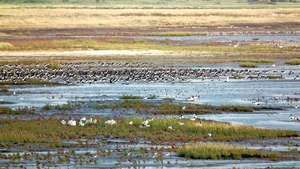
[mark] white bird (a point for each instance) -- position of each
(170, 128)
(258, 103)
(227, 79)
(72, 123)
(63, 122)
(81, 123)
(146, 123)
(193, 98)
(292, 117)
(110, 122)
(94, 121)
(89, 121)
(209, 134)
(131, 123)
(195, 117)
(83, 119)
(181, 124)
(181, 117)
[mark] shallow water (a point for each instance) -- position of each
(171, 164)
(272, 93)
(227, 38)
(269, 93)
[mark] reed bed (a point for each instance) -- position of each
(52, 132)
(222, 151)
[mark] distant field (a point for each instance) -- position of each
(160, 3)
(31, 26)
(20, 18)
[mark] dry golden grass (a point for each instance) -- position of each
(62, 51)
(85, 17)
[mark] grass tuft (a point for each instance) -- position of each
(53, 132)
(222, 151)
(27, 82)
(19, 111)
(248, 65)
(130, 97)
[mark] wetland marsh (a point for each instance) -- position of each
(140, 84)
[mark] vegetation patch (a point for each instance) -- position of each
(62, 107)
(6, 102)
(4, 89)
(222, 151)
(248, 65)
(293, 62)
(5, 46)
(166, 107)
(27, 82)
(53, 132)
(19, 111)
(130, 97)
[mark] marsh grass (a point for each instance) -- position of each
(293, 62)
(168, 52)
(222, 151)
(27, 82)
(258, 61)
(4, 89)
(167, 107)
(19, 111)
(130, 97)
(62, 107)
(6, 46)
(37, 45)
(54, 66)
(248, 65)
(6, 102)
(52, 132)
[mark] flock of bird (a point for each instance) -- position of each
(94, 73)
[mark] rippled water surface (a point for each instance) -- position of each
(267, 93)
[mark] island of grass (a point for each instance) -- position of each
(19, 111)
(27, 82)
(223, 151)
(167, 107)
(52, 132)
(156, 107)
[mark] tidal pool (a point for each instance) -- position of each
(273, 93)
(266, 93)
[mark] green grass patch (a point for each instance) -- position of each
(6, 46)
(62, 107)
(19, 111)
(130, 97)
(6, 102)
(54, 66)
(53, 132)
(222, 151)
(27, 82)
(168, 108)
(142, 45)
(248, 65)
(293, 62)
